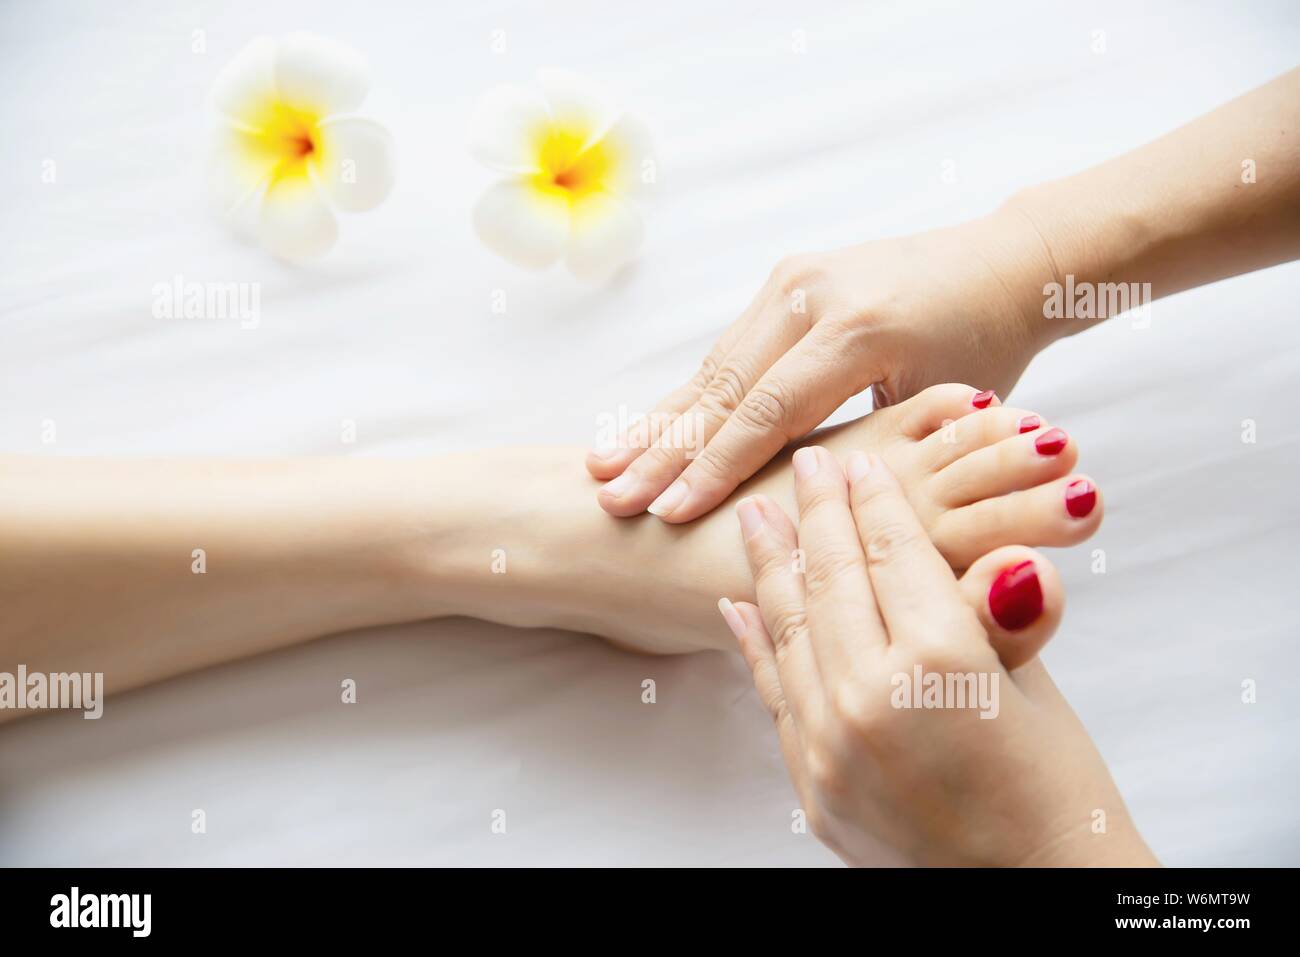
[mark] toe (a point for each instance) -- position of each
(1015, 463)
(1058, 513)
(958, 437)
(929, 410)
(1018, 596)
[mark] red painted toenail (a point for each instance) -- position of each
(1029, 423)
(1080, 497)
(1051, 442)
(982, 399)
(1016, 599)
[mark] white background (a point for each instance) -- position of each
(765, 151)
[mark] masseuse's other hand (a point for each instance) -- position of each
(898, 723)
(956, 305)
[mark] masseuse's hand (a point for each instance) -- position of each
(955, 305)
(1006, 776)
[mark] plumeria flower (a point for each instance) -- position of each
(288, 150)
(577, 173)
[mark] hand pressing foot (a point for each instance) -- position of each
(979, 475)
(897, 722)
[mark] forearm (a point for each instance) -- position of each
(1212, 199)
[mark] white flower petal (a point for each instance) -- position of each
(607, 232)
(236, 167)
(321, 74)
(506, 127)
(358, 163)
(522, 224)
(295, 222)
(575, 103)
(247, 81)
(634, 168)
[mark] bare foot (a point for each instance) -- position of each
(979, 478)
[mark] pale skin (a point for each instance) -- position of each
(1215, 198)
(98, 557)
(143, 570)
(147, 569)
(941, 786)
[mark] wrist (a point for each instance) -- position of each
(1023, 261)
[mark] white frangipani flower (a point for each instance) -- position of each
(577, 172)
(288, 150)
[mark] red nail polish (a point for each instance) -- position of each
(1029, 423)
(1051, 442)
(1080, 498)
(1016, 598)
(982, 399)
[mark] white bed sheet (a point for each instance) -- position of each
(765, 151)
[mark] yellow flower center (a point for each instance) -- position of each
(285, 137)
(566, 168)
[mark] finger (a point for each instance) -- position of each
(1018, 596)
(801, 389)
(771, 336)
(770, 544)
(607, 461)
(914, 587)
(746, 623)
(610, 461)
(842, 612)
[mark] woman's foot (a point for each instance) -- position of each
(980, 476)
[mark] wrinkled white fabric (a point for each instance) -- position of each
(764, 150)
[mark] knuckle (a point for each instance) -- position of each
(802, 271)
(937, 654)
(831, 566)
(704, 375)
(887, 540)
(827, 776)
(857, 712)
(789, 625)
(715, 464)
(945, 646)
(724, 392)
(768, 407)
(820, 494)
(780, 712)
(655, 461)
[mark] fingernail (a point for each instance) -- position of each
(982, 399)
(1080, 498)
(859, 464)
(620, 486)
(605, 451)
(805, 462)
(1051, 442)
(1016, 598)
(672, 497)
(731, 617)
(751, 517)
(1029, 423)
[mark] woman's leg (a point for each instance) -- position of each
(146, 569)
